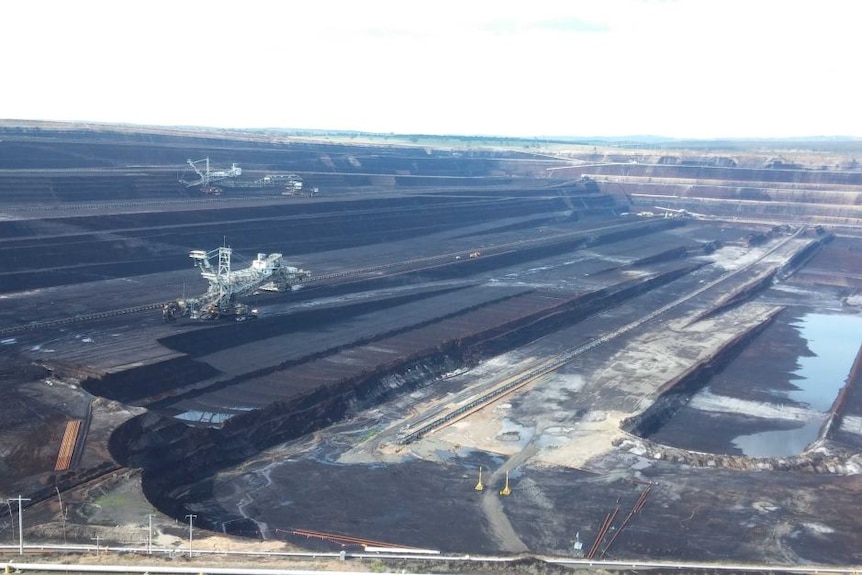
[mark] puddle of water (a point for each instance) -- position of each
(781, 443)
(834, 340)
(524, 433)
(204, 417)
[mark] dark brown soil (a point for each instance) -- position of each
(101, 234)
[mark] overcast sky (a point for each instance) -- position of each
(681, 68)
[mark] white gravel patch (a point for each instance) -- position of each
(818, 528)
(735, 257)
(852, 424)
(710, 402)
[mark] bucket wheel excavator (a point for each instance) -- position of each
(268, 272)
(207, 177)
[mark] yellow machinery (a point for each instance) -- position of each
(506, 489)
(480, 486)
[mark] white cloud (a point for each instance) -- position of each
(681, 68)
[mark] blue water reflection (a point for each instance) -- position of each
(780, 443)
(834, 340)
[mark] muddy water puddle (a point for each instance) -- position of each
(774, 398)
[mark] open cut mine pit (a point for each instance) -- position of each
(672, 341)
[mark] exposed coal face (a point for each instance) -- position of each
(174, 455)
(63, 251)
(57, 148)
(141, 384)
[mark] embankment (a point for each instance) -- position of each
(848, 394)
(679, 391)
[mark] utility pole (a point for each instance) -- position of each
(20, 501)
(62, 513)
(150, 535)
(191, 519)
(96, 539)
(11, 519)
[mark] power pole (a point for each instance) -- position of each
(62, 513)
(20, 501)
(191, 519)
(150, 535)
(11, 519)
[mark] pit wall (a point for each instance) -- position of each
(743, 294)
(831, 430)
(801, 257)
(821, 457)
(95, 249)
(771, 175)
(741, 202)
(832, 194)
(764, 281)
(678, 392)
(137, 386)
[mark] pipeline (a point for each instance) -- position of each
(603, 531)
(340, 539)
(595, 544)
(636, 508)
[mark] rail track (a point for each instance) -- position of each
(549, 365)
(36, 325)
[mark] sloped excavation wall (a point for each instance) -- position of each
(678, 392)
(177, 459)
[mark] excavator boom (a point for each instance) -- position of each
(268, 272)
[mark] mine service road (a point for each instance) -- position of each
(17, 567)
